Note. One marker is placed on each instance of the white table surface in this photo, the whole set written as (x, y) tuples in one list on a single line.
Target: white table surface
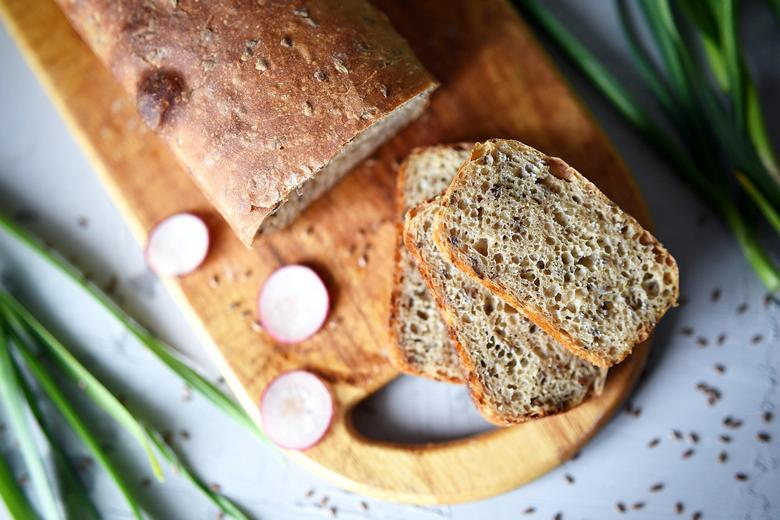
[(45, 179)]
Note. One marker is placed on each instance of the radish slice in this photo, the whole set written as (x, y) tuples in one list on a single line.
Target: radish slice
[(292, 304), (177, 245), (296, 409)]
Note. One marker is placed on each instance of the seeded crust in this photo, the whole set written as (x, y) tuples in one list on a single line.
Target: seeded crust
[(267, 104), (419, 342), (542, 237), (516, 372)]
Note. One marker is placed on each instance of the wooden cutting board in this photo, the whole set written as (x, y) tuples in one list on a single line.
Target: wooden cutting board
[(496, 82)]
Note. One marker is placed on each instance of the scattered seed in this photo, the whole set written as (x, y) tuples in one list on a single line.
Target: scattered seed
[(712, 393), (324, 501), (702, 341), (725, 438), (741, 477), (696, 516), (529, 510), (255, 326), (742, 308), (146, 482), (769, 299), (215, 487), (233, 306), (621, 507), (686, 331), (721, 339), (111, 284), (732, 423), (723, 457), (362, 261), (715, 296), (576, 455), (687, 454), (679, 508), (654, 442), (185, 435), (677, 435), (82, 222), (214, 281), (309, 493), (655, 488), (755, 340), (693, 437), (569, 479), (558, 516), (333, 512), (363, 506), (286, 42), (767, 417), (763, 437), (638, 505), (320, 75), (720, 368)]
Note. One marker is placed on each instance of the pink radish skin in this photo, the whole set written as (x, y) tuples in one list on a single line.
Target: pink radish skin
[(296, 409), (292, 304), (177, 245)]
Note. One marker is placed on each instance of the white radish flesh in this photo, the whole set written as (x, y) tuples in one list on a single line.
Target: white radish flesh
[(177, 245), (296, 409), (292, 304)]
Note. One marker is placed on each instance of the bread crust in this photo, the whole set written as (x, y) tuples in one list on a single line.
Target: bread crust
[(396, 349), (476, 388), (536, 315), (254, 98)]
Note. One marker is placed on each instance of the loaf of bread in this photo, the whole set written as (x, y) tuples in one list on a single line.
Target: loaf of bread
[(515, 371), (546, 240), (419, 342), (266, 103)]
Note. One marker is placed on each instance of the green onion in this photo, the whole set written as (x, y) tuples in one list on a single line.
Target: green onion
[(23, 323), (72, 417), (13, 497), (162, 351), (77, 502), (13, 401), (27, 329)]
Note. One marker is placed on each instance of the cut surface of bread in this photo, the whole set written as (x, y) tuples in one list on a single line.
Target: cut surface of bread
[(547, 241), (420, 344), (515, 371)]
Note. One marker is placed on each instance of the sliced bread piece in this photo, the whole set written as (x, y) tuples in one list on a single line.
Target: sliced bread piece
[(515, 371), (419, 342), (547, 241)]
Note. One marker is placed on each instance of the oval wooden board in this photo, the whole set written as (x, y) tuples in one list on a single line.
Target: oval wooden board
[(496, 82)]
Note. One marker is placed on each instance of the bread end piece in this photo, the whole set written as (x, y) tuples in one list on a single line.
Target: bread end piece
[(542, 237)]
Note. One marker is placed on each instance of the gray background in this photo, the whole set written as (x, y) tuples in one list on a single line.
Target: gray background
[(45, 177)]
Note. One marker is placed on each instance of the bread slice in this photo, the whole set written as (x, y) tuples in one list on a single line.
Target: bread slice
[(419, 342), (515, 370), (548, 242)]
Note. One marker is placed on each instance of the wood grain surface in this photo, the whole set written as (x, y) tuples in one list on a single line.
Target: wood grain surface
[(496, 82)]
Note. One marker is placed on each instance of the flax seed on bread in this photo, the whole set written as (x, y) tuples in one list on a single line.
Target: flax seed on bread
[(547, 241)]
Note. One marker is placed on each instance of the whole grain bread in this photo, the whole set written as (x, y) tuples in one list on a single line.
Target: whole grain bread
[(515, 371), (267, 104), (419, 342), (547, 241)]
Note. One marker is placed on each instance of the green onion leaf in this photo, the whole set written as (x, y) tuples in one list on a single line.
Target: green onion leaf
[(77, 501), (73, 418), (23, 323), (13, 402), (12, 495)]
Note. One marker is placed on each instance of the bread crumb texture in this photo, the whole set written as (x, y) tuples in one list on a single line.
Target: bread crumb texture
[(420, 343), (545, 239), (515, 370)]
